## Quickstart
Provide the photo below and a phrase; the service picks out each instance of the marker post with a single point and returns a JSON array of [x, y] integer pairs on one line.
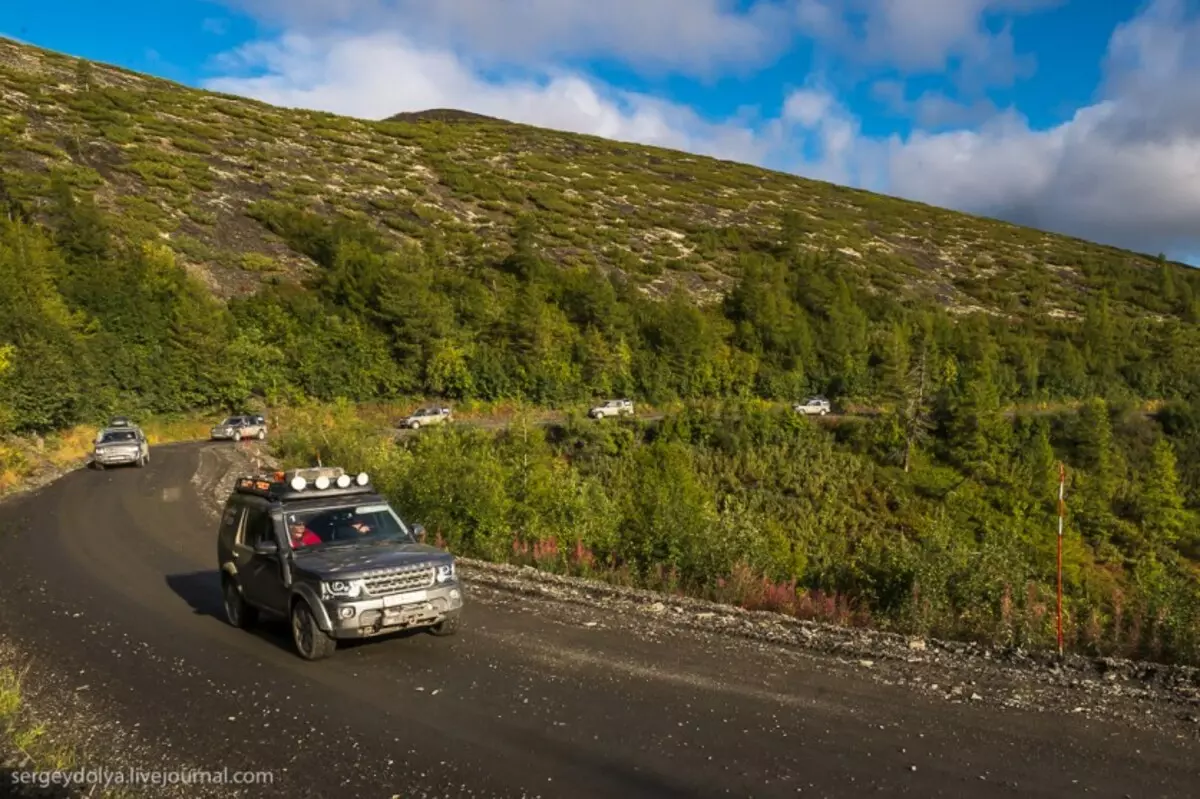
[[1062, 512]]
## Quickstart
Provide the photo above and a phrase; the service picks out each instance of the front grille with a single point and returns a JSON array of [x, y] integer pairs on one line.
[[397, 581]]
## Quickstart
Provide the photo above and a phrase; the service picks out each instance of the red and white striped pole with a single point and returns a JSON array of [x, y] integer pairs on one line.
[[1062, 512]]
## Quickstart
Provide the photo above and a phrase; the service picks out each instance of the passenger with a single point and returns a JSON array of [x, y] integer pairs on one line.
[[302, 536]]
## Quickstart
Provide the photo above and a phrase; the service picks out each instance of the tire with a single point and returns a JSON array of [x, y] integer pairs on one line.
[[449, 626], [823, 412], [99, 466], [261, 435], [237, 437], [311, 642], [415, 426], [238, 612]]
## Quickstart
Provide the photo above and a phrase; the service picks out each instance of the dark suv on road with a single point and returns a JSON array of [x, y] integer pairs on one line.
[[323, 549]]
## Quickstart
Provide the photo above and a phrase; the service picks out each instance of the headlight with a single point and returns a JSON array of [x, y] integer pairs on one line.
[[341, 589], [445, 573]]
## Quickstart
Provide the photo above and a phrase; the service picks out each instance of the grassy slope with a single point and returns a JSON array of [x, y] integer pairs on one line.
[[185, 164]]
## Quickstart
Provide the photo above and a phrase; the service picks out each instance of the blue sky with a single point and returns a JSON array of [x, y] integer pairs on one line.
[[1073, 115]]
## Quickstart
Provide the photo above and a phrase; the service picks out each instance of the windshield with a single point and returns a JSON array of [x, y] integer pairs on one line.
[[232, 421], [426, 412], [346, 525], [118, 437]]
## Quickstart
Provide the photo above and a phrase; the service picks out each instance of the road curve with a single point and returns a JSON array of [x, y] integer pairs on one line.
[[111, 575]]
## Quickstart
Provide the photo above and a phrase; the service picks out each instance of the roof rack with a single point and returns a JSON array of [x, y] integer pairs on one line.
[[320, 481]]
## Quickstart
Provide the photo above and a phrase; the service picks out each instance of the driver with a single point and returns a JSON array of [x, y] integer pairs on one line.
[[300, 535]]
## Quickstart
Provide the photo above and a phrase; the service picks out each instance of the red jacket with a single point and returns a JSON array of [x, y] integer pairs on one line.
[[307, 540]]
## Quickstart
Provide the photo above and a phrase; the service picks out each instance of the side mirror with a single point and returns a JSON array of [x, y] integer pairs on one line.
[[419, 531], [266, 548]]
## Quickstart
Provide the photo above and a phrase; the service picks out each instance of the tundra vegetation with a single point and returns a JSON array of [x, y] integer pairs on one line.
[[169, 251]]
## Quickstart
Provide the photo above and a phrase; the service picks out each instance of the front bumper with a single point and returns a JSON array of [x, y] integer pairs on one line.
[[365, 618], [221, 435], [115, 458]]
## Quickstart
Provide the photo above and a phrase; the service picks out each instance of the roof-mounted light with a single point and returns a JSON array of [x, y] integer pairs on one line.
[[299, 483], [344, 481], [362, 479], [322, 483]]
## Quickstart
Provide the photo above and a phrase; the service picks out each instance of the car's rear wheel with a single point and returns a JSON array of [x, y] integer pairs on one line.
[[261, 435], [237, 436], [238, 612], [448, 626], [312, 643]]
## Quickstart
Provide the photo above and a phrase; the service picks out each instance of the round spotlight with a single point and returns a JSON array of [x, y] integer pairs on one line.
[[362, 479], [299, 483], [322, 483], [344, 481]]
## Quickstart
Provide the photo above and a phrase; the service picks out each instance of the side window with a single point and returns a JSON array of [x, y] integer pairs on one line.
[[229, 522], [258, 526]]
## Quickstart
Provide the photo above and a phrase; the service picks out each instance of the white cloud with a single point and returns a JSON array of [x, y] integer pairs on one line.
[[1124, 171], [693, 36], [374, 76], [933, 109], [925, 36], [215, 25]]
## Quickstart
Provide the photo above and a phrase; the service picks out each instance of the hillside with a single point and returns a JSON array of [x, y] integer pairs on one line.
[[187, 164], [471, 257]]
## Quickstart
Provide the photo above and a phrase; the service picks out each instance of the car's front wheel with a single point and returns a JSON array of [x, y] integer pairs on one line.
[[238, 612], [237, 436], [415, 426], [261, 435], [312, 643]]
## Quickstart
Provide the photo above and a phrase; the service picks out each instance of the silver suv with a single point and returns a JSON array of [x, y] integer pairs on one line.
[[617, 407], [235, 428], [813, 406], [324, 550], [424, 417], [121, 446]]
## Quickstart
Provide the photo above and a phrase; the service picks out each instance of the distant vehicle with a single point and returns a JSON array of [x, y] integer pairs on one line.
[[324, 550], [813, 406], [616, 407], [424, 417], [235, 428], [121, 446]]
